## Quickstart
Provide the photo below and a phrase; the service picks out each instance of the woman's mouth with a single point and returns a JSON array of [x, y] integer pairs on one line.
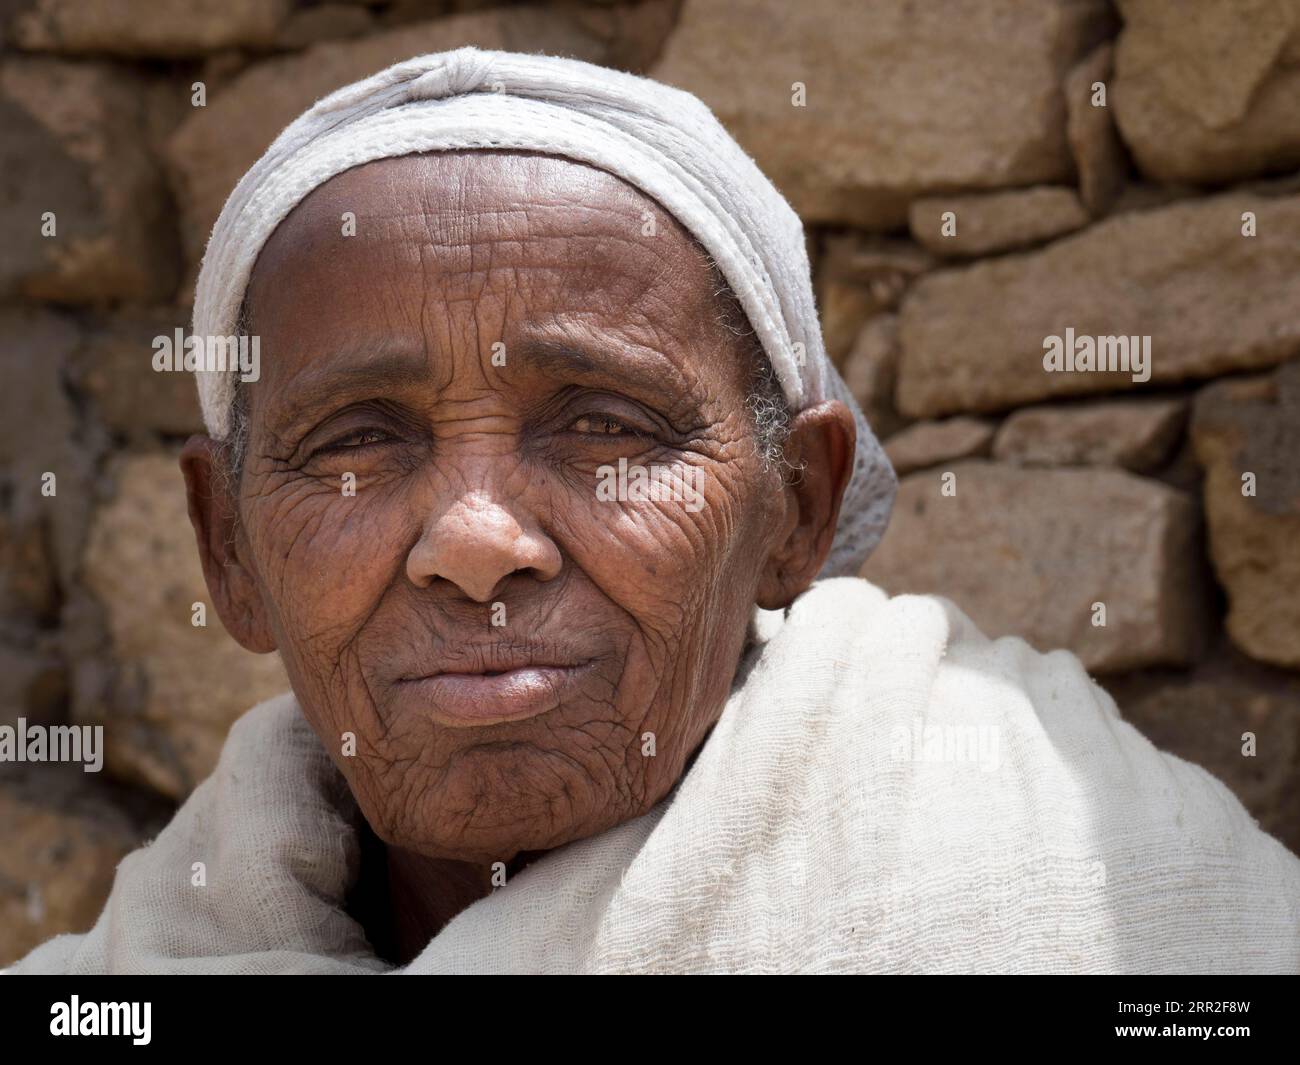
[[462, 699]]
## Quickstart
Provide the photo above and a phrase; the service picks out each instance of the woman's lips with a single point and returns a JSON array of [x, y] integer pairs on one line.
[[461, 699]]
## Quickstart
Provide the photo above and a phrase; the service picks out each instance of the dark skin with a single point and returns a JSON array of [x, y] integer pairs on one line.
[[488, 734]]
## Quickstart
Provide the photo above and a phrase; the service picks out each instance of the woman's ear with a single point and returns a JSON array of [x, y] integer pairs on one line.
[[214, 514], [819, 450]]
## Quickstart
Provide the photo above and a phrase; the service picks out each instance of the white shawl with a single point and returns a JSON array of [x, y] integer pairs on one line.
[[886, 791]]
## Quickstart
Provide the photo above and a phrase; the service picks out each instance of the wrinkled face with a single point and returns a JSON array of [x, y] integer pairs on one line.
[[431, 520]]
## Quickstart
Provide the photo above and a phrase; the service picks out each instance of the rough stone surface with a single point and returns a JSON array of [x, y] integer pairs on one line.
[[1252, 426], [40, 435], [34, 678], [944, 96], [996, 221], [64, 832], [114, 368], [327, 22], [176, 688], [213, 148], [75, 145], [162, 28], [1203, 715], [1099, 155], [1206, 91], [927, 444], [40, 535], [1138, 435], [1028, 552], [634, 35], [869, 371], [29, 593], [858, 277], [1212, 300]]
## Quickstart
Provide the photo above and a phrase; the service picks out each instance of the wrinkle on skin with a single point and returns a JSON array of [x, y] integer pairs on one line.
[[473, 486]]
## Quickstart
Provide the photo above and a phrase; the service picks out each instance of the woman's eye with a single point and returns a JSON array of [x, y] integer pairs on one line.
[[359, 438], [603, 425]]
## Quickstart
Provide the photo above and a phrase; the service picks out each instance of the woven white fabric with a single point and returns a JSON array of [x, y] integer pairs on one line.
[[808, 836], [662, 140]]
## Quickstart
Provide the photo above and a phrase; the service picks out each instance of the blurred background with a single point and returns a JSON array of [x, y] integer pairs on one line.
[[975, 175]]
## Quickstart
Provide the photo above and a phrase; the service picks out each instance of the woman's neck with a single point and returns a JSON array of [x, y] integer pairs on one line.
[[403, 899], [426, 893]]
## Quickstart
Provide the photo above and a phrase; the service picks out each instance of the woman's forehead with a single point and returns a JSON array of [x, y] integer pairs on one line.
[[466, 211], [448, 253]]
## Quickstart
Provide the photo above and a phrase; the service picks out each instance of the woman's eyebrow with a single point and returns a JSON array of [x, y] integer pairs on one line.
[[346, 371], [614, 362], [350, 370]]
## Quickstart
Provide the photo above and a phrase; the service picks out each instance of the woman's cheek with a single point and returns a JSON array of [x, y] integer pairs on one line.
[[650, 555], [329, 554]]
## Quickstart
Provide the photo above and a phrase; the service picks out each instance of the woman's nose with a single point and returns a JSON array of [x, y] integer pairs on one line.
[[476, 543]]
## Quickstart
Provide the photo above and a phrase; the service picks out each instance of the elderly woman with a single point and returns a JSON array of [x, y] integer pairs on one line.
[[532, 492]]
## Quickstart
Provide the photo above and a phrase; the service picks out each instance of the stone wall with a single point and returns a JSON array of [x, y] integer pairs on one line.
[[977, 176]]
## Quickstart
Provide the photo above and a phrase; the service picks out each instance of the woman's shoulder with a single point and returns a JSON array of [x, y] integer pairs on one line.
[[248, 876], [883, 665], [978, 784], [993, 732]]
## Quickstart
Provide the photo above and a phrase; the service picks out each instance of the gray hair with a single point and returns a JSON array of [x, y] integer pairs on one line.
[[233, 448], [765, 399]]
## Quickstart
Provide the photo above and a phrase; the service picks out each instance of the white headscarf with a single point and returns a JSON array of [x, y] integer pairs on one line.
[[659, 139]]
